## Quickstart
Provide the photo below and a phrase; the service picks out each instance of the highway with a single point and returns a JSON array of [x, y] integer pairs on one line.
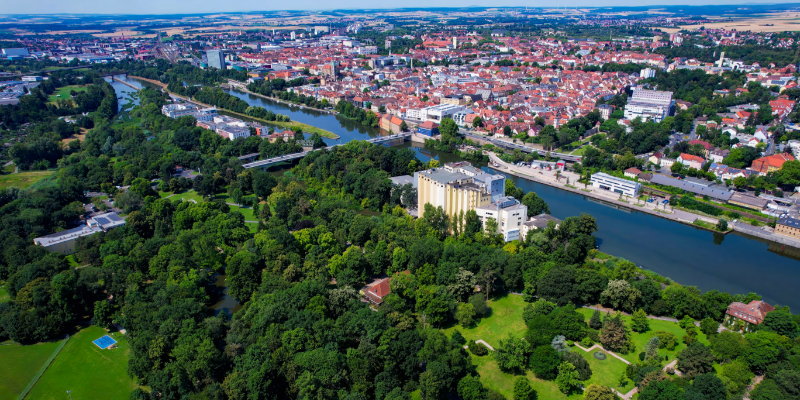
[[512, 146]]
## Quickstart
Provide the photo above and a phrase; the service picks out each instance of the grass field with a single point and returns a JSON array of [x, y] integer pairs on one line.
[[23, 180], [505, 318], [192, 195], [19, 364], [605, 372], [64, 92], [4, 296], [86, 370], [640, 339]]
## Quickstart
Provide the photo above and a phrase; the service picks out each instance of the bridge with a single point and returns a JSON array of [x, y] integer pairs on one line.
[[515, 146], [289, 157]]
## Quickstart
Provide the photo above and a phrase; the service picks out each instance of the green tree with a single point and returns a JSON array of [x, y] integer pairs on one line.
[[243, 275], [523, 389], [762, 349], [639, 321], [596, 322], [695, 360], [780, 322], [102, 313], [709, 327], [661, 390], [614, 335], [477, 122], [567, 378], [512, 354], [597, 392], [465, 314], [471, 388], [544, 362], [736, 376]]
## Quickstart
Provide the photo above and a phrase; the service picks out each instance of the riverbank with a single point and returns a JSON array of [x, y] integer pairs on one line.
[[310, 129], [683, 217], [243, 88]]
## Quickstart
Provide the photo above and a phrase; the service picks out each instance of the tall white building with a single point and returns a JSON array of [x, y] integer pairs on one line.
[[649, 104], [605, 181], [509, 214]]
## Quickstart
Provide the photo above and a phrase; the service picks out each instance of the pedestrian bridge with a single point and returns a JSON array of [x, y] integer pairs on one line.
[[252, 163]]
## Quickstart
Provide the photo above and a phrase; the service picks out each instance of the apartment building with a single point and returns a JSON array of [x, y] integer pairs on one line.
[[509, 214]]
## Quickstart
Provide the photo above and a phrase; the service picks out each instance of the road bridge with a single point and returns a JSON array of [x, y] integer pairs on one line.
[[263, 164], [515, 146]]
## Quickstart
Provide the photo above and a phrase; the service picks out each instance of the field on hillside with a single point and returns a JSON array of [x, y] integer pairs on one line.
[[87, 371]]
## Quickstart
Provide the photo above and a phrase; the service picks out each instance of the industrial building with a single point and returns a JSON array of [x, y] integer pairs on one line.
[[649, 105]]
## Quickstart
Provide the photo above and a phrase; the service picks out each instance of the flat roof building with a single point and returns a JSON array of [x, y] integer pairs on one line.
[[649, 104], [604, 181], [64, 241], [509, 214]]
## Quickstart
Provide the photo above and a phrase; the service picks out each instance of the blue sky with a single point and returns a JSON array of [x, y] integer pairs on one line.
[[213, 6]]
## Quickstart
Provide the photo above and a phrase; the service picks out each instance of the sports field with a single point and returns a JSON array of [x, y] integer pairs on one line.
[[87, 371], [19, 364]]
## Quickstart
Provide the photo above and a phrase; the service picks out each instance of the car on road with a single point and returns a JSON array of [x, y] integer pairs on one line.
[[665, 202], [650, 200]]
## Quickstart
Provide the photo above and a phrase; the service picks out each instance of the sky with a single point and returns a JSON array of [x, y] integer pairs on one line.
[[213, 6]]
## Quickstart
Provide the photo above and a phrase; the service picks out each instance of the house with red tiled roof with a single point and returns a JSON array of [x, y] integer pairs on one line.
[[771, 163], [379, 289], [691, 161], [745, 317]]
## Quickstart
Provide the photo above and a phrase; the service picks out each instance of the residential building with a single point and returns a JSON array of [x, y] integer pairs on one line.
[[216, 59], [632, 172], [691, 161], [428, 128], [771, 163], [538, 222], [649, 104], [509, 214], [377, 291], [788, 227], [64, 241], [746, 317], [605, 110], [718, 155], [604, 181]]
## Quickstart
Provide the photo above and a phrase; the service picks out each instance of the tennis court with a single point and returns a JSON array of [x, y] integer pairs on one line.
[[104, 342]]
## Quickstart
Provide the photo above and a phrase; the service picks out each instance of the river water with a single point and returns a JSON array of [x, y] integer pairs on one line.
[[733, 263]]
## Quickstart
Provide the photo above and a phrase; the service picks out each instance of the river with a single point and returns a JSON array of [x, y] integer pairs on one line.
[[733, 263]]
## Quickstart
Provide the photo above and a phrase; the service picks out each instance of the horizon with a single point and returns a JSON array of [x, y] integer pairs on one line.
[[205, 7]]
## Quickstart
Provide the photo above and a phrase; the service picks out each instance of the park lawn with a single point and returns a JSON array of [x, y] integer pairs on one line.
[[579, 152], [494, 378], [246, 211], [64, 92], [20, 363], [505, 318], [656, 325], [188, 195], [86, 370], [4, 296], [605, 372], [23, 180], [8, 169]]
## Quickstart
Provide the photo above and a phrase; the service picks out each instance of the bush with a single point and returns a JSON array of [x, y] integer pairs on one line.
[[587, 342], [478, 349], [667, 340]]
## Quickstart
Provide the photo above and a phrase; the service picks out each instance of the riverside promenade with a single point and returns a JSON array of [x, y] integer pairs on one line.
[[612, 199]]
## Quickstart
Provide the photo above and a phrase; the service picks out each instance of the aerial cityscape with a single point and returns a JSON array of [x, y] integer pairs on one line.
[[427, 201]]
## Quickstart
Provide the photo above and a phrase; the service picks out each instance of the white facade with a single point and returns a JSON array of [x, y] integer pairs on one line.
[[647, 73], [437, 113], [649, 104], [64, 241], [605, 181], [509, 214], [183, 109]]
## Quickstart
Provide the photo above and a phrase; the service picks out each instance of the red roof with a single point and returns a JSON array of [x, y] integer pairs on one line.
[[690, 157], [753, 312], [429, 125], [706, 145]]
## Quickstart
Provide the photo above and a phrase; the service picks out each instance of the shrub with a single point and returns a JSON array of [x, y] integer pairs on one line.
[[587, 342], [478, 349], [667, 340]]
